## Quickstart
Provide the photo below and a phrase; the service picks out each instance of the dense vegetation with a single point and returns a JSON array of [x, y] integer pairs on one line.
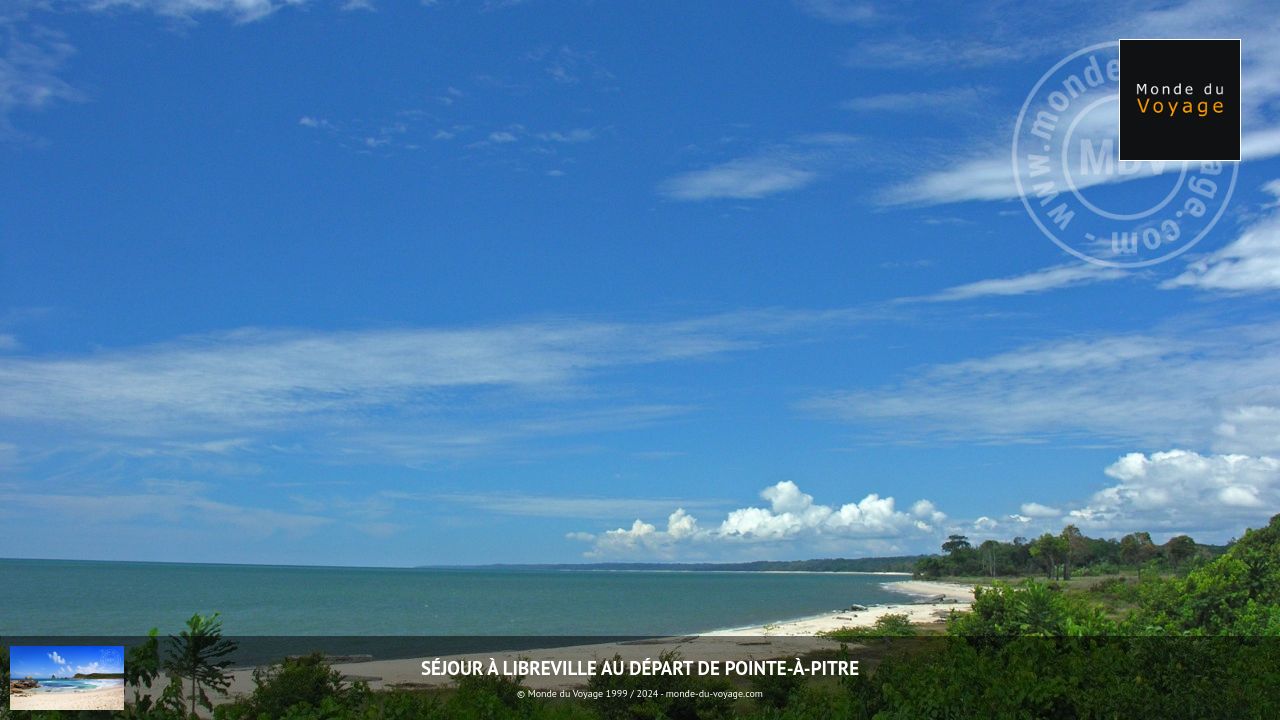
[[1202, 643], [1060, 556]]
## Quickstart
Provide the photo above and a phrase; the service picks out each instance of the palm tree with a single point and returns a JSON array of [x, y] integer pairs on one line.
[[197, 654]]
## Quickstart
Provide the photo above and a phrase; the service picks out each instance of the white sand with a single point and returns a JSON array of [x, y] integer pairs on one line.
[[924, 588], [782, 639], [957, 597], [111, 698]]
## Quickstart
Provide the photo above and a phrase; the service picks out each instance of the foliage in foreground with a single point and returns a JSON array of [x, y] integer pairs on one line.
[[886, 626], [1206, 645]]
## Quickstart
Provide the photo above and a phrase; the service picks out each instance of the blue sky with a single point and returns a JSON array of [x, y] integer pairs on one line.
[[41, 661], [377, 283]]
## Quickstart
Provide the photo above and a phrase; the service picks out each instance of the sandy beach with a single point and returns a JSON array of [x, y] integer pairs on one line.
[[788, 638], [111, 698], [781, 639], [953, 596]]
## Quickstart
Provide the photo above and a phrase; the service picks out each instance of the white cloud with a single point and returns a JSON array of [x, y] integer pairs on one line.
[[950, 99], [175, 504], [576, 135], [58, 659], [319, 123], [239, 10], [566, 66], [1050, 278], [952, 52], [1184, 491], [782, 168], [791, 514], [984, 524], [1249, 263], [417, 394], [744, 178], [838, 11], [1200, 386], [30, 59], [561, 506], [1036, 510], [988, 175], [502, 136]]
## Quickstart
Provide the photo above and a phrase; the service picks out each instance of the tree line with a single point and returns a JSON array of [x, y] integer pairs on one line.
[[1204, 643], [1059, 556]]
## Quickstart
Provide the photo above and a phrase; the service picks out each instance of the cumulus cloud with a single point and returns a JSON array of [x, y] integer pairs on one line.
[[791, 514], [984, 524], [54, 656], [1184, 491], [1036, 510]]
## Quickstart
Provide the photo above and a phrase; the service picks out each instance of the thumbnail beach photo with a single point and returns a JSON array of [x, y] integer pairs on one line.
[[66, 677]]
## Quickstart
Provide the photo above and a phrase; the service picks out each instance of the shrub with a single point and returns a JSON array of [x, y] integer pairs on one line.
[[890, 625]]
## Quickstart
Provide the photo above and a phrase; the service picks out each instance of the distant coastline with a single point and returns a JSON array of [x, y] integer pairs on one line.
[[896, 564]]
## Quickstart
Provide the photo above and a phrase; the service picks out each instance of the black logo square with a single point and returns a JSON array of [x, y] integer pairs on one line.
[[1179, 100]]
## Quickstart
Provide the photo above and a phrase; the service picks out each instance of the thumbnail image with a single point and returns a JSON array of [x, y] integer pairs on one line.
[[66, 677]]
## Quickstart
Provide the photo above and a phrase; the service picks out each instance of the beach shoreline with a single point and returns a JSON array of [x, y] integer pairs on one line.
[[108, 698], [947, 597], [771, 640], [786, 638]]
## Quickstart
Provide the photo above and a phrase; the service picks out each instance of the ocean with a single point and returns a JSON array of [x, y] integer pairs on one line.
[[48, 685], [56, 597]]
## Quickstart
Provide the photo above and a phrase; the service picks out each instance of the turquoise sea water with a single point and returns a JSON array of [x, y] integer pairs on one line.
[[60, 686], [43, 597]]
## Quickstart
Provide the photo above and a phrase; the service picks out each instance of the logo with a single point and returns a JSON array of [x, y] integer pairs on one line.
[[1180, 99], [1107, 211]]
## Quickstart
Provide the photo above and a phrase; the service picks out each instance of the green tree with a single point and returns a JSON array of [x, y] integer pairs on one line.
[[988, 551], [1180, 548], [1136, 548], [1048, 549], [1074, 545], [956, 544], [929, 567], [296, 683], [198, 655]]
